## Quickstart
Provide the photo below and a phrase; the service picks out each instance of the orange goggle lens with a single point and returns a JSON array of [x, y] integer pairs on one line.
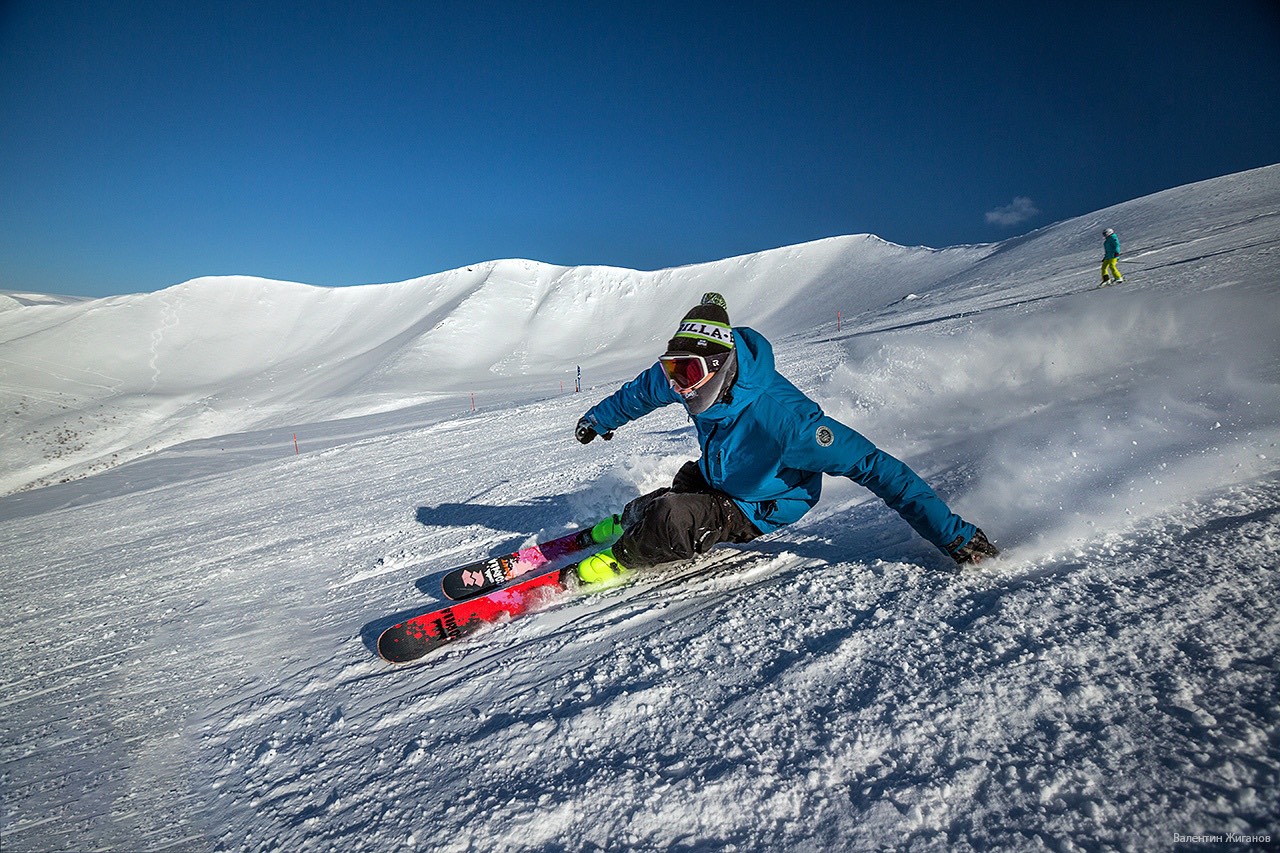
[[685, 371]]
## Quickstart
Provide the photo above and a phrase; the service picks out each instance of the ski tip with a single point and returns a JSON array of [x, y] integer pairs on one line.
[[402, 643], [391, 646]]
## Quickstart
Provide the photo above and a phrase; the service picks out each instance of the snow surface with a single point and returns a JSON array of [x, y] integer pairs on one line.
[[193, 602]]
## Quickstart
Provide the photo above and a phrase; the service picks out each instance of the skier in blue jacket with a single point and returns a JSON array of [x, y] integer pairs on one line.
[[765, 448], [1110, 257]]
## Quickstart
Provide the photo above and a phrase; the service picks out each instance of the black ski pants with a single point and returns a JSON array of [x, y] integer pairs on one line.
[[676, 523]]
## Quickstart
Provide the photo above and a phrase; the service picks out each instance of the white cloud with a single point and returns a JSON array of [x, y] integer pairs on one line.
[[1019, 210]]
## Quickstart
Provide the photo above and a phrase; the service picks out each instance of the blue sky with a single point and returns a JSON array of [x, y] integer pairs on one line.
[[146, 143]]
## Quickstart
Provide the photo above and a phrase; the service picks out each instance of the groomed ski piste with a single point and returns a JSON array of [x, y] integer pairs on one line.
[[192, 600]]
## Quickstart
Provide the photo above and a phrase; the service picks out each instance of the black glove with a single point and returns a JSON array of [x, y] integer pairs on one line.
[[975, 550], [586, 432]]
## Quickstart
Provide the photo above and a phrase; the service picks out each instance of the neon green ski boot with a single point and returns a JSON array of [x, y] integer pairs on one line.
[[609, 528], [600, 567]]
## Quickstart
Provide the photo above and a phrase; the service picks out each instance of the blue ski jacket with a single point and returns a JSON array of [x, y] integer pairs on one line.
[[1111, 247], [767, 446]]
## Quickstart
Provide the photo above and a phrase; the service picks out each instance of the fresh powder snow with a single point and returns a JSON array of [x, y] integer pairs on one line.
[[217, 495]]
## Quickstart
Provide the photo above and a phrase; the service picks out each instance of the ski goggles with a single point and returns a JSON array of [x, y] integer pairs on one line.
[[686, 372]]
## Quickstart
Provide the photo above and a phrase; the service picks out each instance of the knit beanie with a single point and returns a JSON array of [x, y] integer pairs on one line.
[[705, 331]]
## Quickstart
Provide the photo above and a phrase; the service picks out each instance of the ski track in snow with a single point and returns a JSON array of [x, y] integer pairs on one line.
[[189, 651]]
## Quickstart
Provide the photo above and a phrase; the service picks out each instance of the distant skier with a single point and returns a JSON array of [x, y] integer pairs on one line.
[[765, 447], [1110, 256]]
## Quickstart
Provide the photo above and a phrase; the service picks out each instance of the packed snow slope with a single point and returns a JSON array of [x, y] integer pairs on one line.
[[190, 615]]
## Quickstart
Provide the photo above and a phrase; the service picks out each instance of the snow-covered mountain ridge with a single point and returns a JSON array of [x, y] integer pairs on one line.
[[111, 379]]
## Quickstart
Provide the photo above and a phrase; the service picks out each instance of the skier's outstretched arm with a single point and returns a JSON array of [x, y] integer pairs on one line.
[[902, 489], [648, 391], [833, 448]]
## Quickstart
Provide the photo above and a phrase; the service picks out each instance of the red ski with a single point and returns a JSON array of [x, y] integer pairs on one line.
[[422, 634]]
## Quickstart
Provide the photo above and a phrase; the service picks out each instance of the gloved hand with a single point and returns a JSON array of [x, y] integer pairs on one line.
[[975, 550], [586, 432]]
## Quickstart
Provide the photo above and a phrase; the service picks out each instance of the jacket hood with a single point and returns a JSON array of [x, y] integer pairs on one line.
[[755, 367]]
